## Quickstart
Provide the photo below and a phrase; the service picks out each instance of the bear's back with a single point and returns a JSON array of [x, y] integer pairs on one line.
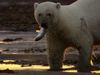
[[91, 8]]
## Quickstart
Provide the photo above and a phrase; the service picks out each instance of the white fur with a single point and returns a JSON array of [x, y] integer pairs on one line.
[[75, 25], [91, 10]]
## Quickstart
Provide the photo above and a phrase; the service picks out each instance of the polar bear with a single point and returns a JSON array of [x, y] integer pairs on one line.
[[69, 25]]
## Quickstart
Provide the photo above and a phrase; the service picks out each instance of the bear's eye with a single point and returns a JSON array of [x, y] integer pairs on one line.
[[40, 14], [48, 14]]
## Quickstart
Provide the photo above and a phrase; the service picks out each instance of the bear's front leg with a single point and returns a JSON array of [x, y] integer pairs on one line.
[[55, 52]]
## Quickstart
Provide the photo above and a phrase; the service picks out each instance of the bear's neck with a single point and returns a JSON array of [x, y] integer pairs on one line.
[[57, 30]]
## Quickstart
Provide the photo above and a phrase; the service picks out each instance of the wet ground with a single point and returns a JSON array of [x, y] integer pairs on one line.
[[30, 57]]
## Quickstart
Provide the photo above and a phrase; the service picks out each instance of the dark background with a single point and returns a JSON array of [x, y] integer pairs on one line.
[[18, 15]]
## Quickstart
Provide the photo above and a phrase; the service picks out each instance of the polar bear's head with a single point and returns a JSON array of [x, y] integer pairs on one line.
[[45, 14]]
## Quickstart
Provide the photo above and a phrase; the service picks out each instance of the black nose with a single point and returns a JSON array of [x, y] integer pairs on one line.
[[44, 25]]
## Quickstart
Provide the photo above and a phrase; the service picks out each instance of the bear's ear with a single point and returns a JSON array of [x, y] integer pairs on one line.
[[58, 5], [35, 5]]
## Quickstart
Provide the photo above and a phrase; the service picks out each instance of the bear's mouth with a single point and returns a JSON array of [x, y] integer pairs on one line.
[[44, 25]]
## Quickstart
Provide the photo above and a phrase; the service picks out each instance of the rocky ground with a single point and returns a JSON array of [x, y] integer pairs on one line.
[[21, 49]]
